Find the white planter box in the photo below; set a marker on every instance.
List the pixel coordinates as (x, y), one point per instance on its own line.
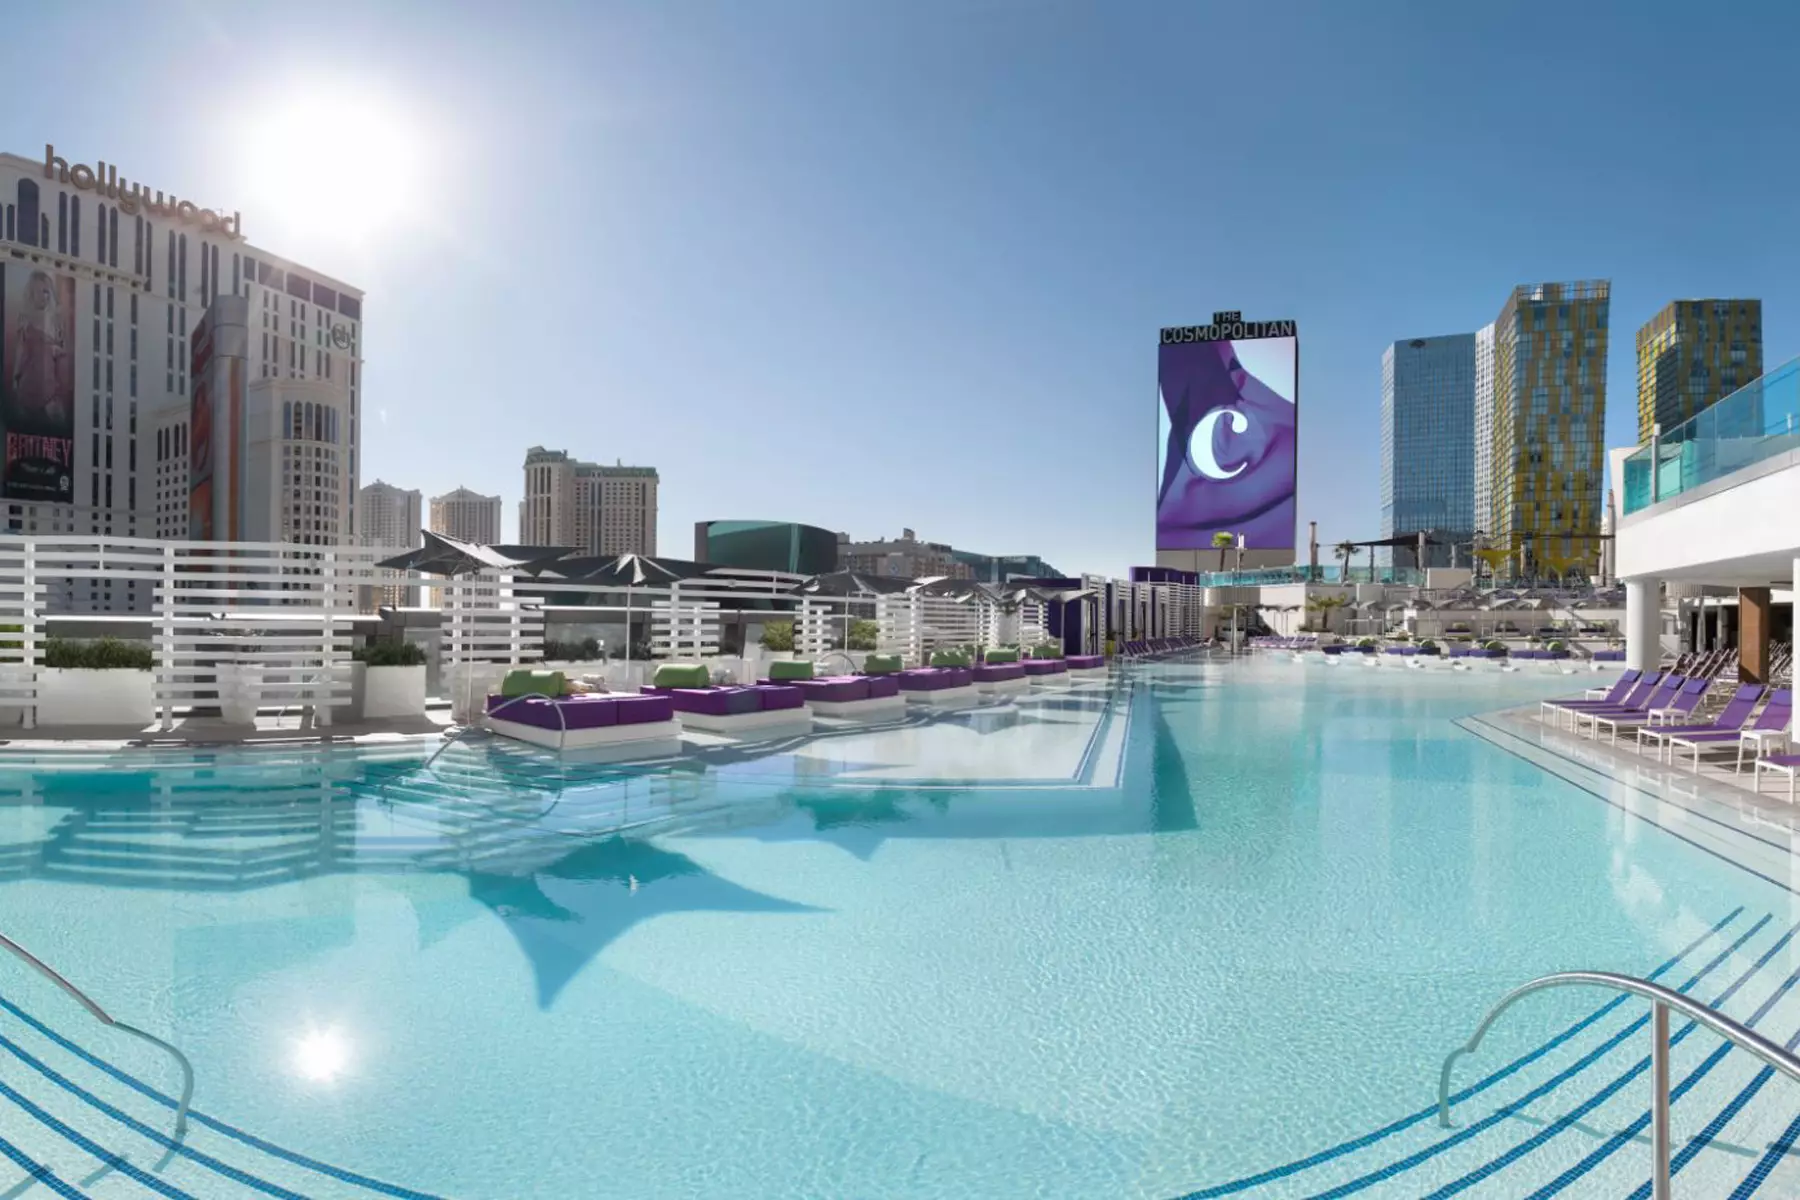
(240, 692)
(393, 692)
(79, 697)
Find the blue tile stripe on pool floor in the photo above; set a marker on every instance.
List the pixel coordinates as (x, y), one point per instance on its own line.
(1462, 1135)
(136, 1126)
(38, 1171)
(1759, 1174)
(1612, 1144)
(312, 1164)
(1518, 1064)
(70, 1134)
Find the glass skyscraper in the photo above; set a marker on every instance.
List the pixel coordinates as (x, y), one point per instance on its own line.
(1428, 445)
(1548, 477)
(1691, 355)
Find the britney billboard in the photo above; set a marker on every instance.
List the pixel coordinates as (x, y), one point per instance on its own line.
(1228, 454)
(37, 384)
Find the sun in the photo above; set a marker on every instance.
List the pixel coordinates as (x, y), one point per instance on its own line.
(334, 164)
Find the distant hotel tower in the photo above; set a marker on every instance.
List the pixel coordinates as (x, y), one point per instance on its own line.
(1693, 354)
(1428, 445)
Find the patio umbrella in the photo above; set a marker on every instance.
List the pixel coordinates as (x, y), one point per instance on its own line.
(441, 554)
(625, 572)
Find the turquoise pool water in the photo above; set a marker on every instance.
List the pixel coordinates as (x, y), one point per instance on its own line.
(1170, 938)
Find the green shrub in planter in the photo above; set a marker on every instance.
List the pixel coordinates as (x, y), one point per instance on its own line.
(106, 654)
(390, 654)
(862, 635)
(779, 637)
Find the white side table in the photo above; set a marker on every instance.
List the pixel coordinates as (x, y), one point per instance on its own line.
(1763, 740)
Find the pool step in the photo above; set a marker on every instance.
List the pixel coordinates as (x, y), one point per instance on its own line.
(1565, 1123)
(103, 1127)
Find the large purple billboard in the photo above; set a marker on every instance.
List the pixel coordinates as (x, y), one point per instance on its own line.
(1227, 452)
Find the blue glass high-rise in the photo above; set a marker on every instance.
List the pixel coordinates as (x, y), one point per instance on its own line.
(1428, 447)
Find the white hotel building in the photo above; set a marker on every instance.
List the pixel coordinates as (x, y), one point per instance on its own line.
(141, 269)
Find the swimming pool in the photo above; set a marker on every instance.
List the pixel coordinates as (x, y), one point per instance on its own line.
(1210, 933)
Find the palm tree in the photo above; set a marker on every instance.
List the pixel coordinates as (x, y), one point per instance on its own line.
(1222, 542)
(1325, 606)
(1346, 551)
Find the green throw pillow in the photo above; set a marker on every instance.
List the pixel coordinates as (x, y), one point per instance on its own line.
(882, 664)
(790, 669)
(949, 658)
(1002, 654)
(526, 683)
(681, 675)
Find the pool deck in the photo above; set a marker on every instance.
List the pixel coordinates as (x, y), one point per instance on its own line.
(1715, 806)
(289, 730)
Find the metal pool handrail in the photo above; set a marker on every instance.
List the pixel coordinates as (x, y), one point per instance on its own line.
(451, 738)
(1661, 999)
(105, 1018)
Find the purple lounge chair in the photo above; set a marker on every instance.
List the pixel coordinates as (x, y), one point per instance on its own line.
(1636, 696)
(1775, 717)
(1648, 694)
(1685, 700)
(1608, 696)
(1729, 721)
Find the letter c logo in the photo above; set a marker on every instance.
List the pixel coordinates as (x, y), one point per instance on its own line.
(1200, 445)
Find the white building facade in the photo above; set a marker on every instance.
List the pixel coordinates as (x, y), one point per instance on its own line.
(593, 508)
(467, 515)
(102, 284)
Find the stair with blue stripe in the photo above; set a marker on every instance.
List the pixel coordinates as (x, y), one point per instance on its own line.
(1570, 1117)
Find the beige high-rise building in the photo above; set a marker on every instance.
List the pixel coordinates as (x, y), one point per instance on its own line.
(390, 523)
(468, 515)
(591, 508)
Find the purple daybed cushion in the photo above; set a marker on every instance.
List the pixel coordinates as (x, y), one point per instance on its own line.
(934, 679)
(584, 712)
(833, 689)
(711, 701)
(643, 710)
(1085, 662)
(882, 686)
(774, 697)
(999, 672)
(1045, 666)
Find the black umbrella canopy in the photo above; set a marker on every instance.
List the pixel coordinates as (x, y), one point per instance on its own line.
(852, 583)
(625, 570)
(442, 554)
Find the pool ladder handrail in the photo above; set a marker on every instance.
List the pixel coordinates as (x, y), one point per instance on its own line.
(1662, 999)
(455, 735)
(105, 1018)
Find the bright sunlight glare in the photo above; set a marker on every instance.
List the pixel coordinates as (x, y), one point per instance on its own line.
(322, 1054)
(333, 164)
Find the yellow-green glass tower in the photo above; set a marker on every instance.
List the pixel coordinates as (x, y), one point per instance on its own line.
(1691, 355)
(1549, 409)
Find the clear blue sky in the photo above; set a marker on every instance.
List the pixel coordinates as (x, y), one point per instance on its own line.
(902, 264)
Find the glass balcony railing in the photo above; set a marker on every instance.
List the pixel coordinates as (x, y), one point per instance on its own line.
(1754, 423)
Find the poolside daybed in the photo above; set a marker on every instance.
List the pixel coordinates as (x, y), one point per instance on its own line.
(938, 687)
(854, 696)
(534, 707)
(729, 709)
